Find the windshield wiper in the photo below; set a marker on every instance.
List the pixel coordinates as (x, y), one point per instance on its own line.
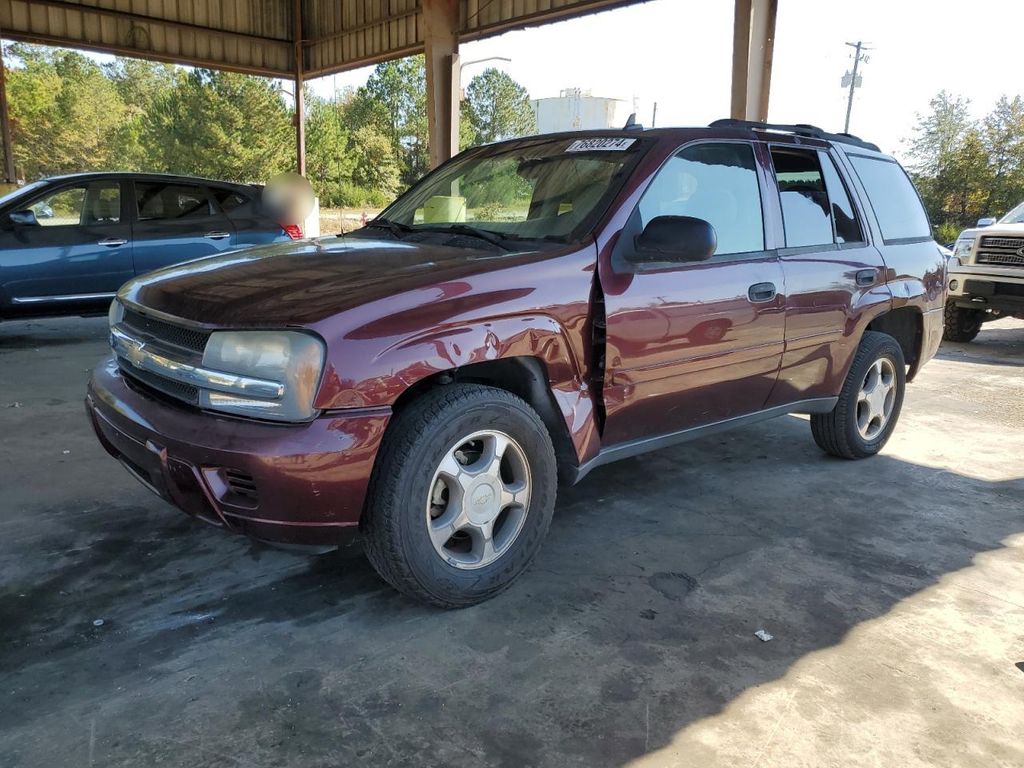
(467, 229)
(398, 230)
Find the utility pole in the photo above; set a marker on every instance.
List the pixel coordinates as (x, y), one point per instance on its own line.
(853, 79)
(7, 173)
(654, 114)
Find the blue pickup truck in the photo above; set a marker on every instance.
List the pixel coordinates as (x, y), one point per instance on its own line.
(68, 243)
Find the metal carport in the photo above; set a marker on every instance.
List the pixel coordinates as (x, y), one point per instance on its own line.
(300, 39)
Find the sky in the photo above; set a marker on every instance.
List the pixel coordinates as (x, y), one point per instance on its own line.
(678, 53)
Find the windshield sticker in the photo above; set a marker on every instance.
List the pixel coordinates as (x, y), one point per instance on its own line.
(600, 145)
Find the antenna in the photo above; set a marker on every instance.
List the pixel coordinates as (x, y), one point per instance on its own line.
(632, 124)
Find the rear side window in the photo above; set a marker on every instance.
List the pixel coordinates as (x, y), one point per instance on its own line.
(228, 200)
(159, 200)
(844, 217)
(805, 209)
(893, 199)
(714, 182)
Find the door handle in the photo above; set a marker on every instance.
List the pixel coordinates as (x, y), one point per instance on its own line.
(759, 293)
(217, 235)
(867, 277)
(112, 242)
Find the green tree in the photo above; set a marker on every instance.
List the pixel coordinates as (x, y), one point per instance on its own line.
(1002, 134)
(950, 162)
(394, 103)
(498, 107)
(329, 159)
(65, 113)
(376, 175)
(221, 124)
(139, 84)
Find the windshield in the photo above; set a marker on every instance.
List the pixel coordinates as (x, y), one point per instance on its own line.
(28, 189)
(533, 189)
(1016, 216)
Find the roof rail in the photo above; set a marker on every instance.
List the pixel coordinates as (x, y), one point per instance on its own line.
(800, 129)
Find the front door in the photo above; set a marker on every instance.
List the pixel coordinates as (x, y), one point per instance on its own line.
(176, 222)
(69, 246)
(693, 344)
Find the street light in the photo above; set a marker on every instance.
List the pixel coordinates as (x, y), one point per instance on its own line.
(457, 67)
(465, 64)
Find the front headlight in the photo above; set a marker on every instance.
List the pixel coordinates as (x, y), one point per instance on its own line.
(962, 248)
(291, 358)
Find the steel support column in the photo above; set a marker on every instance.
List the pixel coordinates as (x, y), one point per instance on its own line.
(300, 102)
(753, 45)
(5, 126)
(441, 49)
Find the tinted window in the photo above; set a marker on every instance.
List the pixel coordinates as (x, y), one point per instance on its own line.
(893, 198)
(804, 200)
(157, 200)
(714, 182)
(228, 200)
(845, 218)
(97, 203)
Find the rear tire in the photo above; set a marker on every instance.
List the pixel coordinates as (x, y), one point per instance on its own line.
(461, 496)
(960, 324)
(870, 403)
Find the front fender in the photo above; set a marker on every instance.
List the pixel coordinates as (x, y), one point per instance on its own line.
(384, 377)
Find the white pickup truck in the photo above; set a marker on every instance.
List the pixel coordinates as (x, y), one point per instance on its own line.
(986, 275)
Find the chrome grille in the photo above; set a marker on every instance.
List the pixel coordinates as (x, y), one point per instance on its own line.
(150, 382)
(164, 332)
(1008, 251)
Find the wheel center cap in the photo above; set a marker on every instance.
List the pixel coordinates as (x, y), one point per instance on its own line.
(482, 502)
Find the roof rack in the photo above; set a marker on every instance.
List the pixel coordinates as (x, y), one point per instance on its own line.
(800, 129)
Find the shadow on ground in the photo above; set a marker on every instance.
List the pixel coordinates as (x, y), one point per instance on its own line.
(655, 577)
(636, 620)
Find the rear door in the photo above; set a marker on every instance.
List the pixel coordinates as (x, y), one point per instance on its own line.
(251, 225)
(692, 344)
(174, 222)
(71, 246)
(833, 274)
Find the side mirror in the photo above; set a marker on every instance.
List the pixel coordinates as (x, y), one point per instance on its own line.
(988, 221)
(26, 218)
(675, 238)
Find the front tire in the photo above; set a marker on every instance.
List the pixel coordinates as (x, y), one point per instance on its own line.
(870, 403)
(960, 324)
(461, 496)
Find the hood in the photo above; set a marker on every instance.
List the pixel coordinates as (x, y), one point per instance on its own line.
(306, 281)
(1014, 230)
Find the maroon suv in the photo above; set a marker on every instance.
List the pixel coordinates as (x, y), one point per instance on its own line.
(529, 311)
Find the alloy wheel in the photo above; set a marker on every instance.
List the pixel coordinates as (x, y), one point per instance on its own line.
(479, 498)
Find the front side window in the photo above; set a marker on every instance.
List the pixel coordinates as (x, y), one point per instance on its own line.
(89, 204)
(714, 182)
(893, 198)
(162, 201)
(533, 189)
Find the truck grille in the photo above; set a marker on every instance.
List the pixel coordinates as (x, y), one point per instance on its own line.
(175, 341)
(1001, 250)
(164, 332)
(153, 384)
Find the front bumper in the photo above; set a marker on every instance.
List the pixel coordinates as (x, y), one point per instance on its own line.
(297, 484)
(981, 286)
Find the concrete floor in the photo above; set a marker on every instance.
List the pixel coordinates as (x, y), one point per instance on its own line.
(894, 588)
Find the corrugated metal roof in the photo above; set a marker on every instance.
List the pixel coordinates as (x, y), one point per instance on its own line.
(258, 35)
